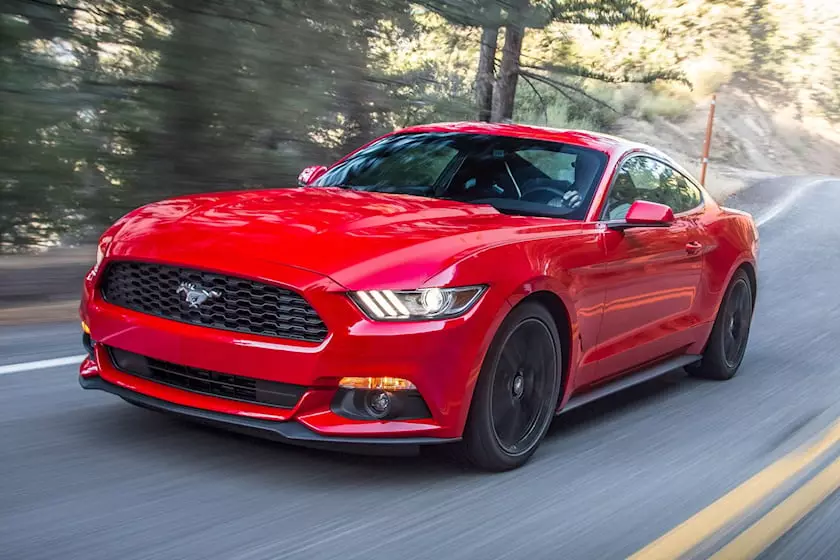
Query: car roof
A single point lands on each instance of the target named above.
(612, 145)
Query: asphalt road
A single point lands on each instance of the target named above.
(88, 476)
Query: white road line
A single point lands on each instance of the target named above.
(785, 203)
(42, 364)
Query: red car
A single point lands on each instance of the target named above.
(453, 283)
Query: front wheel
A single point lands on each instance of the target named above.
(728, 341)
(516, 393)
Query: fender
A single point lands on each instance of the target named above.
(539, 284)
(574, 350)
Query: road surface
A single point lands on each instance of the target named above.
(88, 476)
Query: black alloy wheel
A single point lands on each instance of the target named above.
(523, 376)
(728, 341)
(736, 323)
(517, 392)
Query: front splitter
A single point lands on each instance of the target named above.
(287, 432)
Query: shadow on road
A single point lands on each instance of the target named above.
(642, 395)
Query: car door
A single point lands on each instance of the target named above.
(652, 274)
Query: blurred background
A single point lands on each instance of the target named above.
(108, 104)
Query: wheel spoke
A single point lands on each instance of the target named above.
(502, 406)
(541, 354)
(516, 347)
(509, 361)
(745, 324)
(529, 408)
(509, 433)
(521, 424)
(746, 306)
(737, 298)
(544, 360)
(728, 343)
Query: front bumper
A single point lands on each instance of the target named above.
(287, 432)
(441, 358)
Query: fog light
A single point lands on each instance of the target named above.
(381, 383)
(378, 404)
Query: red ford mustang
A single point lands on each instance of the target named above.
(458, 283)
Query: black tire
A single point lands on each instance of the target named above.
(504, 428)
(730, 334)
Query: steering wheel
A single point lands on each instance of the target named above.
(570, 198)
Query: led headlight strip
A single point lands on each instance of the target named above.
(417, 305)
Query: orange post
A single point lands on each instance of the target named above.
(707, 144)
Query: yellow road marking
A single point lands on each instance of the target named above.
(779, 521)
(718, 515)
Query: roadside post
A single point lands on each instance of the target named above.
(708, 142)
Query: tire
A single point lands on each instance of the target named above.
(517, 392)
(730, 333)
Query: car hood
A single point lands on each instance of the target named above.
(355, 238)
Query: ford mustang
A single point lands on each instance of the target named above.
(454, 283)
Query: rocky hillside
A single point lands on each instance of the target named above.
(752, 139)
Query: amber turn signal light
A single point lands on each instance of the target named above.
(380, 383)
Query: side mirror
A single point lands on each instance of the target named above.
(646, 214)
(309, 174)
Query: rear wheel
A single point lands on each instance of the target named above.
(728, 340)
(517, 391)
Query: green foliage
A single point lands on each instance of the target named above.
(666, 105)
(564, 114)
(38, 134)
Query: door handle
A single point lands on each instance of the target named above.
(693, 247)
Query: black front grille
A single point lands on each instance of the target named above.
(218, 301)
(235, 387)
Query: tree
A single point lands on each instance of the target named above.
(110, 104)
(516, 17)
(38, 107)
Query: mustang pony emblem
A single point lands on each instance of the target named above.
(194, 295)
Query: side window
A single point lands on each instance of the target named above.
(642, 178)
(638, 179)
(684, 196)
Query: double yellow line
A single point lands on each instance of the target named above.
(737, 503)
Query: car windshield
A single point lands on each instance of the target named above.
(515, 175)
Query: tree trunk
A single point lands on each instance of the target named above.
(505, 90)
(486, 72)
(355, 92)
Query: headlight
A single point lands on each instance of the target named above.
(100, 254)
(417, 305)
